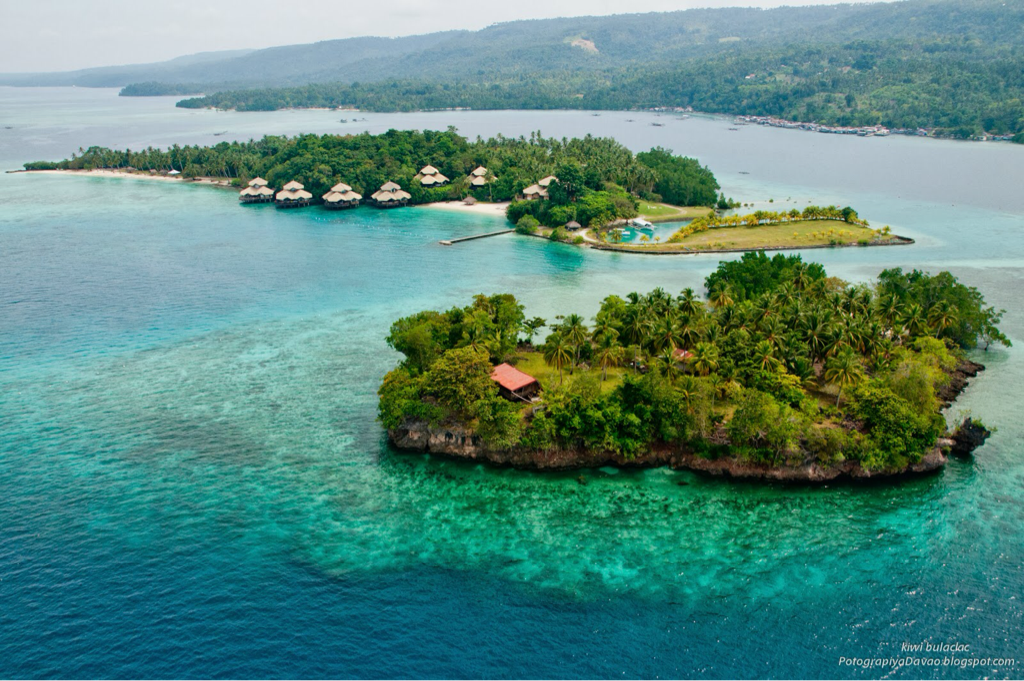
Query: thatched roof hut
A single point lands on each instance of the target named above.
(535, 191)
(572, 225)
(429, 176)
(390, 194)
(470, 201)
(341, 196)
(479, 172)
(293, 195)
(548, 180)
(256, 192)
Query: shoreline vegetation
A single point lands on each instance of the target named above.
(783, 373)
(946, 68)
(604, 172)
(580, 191)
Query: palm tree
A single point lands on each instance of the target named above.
(844, 369)
(688, 302)
(531, 326)
(608, 354)
(635, 328)
(666, 334)
(721, 296)
(941, 316)
(764, 356)
(705, 358)
(557, 353)
(576, 333)
(914, 319)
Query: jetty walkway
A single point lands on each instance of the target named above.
(451, 242)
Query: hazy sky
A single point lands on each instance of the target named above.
(51, 35)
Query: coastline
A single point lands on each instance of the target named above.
(479, 208)
(210, 181)
(456, 441)
(895, 241)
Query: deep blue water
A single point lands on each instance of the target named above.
(192, 483)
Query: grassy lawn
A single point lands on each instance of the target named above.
(533, 363)
(663, 212)
(792, 234)
(789, 235)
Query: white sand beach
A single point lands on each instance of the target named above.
(219, 182)
(481, 208)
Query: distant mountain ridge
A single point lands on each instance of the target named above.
(530, 47)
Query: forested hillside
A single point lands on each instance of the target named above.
(956, 66)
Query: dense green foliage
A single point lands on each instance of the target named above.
(789, 365)
(601, 175)
(955, 66)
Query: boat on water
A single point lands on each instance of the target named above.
(641, 224)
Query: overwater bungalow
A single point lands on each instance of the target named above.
(293, 195)
(513, 384)
(429, 176)
(256, 192)
(390, 195)
(478, 178)
(341, 196)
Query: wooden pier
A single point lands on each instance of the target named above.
(450, 242)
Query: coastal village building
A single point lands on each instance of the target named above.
(341, 196)
(429, 176)
(256, 192)
(293, 195)
(478, 178)
(390, 195)
(513, 384)
(539, 190)
(535, 191)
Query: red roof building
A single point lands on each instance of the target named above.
(513, 384)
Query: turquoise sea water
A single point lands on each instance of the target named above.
(192, 482)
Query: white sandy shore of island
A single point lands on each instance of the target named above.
(141, 176)
(480, 208)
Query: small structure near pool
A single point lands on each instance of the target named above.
(513, 384)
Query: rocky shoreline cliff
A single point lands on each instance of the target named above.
(455, 440)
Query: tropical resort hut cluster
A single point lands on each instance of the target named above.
(390, 195)
(341, 196)
(478, 178)
(539, 190)
(513, 384)
(256, 192)
(293, 195)
(429, 176)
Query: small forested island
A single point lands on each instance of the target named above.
(783, 373)
(610, 177)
